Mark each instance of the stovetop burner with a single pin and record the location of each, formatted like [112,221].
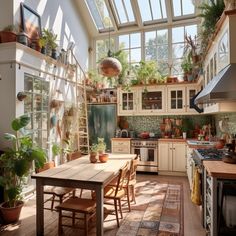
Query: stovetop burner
[207,154]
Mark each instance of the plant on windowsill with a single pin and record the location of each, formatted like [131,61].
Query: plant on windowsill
[187,67]
[16,163]
[210,14]
[8,34]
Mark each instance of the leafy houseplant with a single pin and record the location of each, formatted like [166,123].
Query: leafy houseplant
[48,40]
[16,163]
[210,13]
[93,153]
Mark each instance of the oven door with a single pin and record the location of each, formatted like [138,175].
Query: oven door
[148,158]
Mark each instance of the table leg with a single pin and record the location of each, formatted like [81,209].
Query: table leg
[99,210]
[39,208]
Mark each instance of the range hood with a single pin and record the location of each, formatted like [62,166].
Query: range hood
[222,88]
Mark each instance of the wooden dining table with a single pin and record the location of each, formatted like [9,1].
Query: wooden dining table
[79,173]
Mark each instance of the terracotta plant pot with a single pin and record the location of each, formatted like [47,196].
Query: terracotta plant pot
[7,36]
[93,157]
[103,157]
[11,214]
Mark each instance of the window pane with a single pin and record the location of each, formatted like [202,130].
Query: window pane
[120,11]
[123,41]
[144,8]
[191,30]
[162,52]
[135,55]
[178,34]
[188,7]
[150,38]
[29,84]
[177,7]
[129,10]
[99,13]
[150,53]
[177,50]
[162,36]
[135,40]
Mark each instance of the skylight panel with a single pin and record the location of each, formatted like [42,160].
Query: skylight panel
[152,10]
[183,7]
[100,14]
[123,11]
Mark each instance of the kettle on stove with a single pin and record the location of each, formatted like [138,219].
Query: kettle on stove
[124,133]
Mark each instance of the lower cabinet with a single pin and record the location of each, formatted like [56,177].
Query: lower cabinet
[120,145]
[172,156]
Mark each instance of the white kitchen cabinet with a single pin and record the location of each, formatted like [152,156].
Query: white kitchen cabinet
[120,145]
[127,101]
[172,156]
[157,99]
[175,98]
[151,100]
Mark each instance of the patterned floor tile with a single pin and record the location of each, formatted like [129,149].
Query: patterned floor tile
[169,227]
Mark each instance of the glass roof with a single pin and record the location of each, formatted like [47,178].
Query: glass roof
[152,10]
[114,14]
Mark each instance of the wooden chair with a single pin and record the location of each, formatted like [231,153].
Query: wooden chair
[130,181]
[117,192]
[55,191]
[84,206]
[130,187]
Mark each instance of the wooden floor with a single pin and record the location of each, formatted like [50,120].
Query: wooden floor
[27,226]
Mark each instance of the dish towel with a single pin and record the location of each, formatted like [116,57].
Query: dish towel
[196,191]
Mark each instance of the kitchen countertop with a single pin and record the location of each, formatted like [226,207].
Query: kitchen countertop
[193,143]
[172,139]
[121,139]
[220,169]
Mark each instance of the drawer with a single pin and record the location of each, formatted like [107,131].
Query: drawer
[121,144]
[120,150]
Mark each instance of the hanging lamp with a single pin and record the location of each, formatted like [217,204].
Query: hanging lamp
[110,66]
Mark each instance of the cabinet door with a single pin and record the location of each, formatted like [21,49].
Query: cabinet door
[191,91]
[126,102]
[163,156]
[176,99]
[179,157]
[151,100]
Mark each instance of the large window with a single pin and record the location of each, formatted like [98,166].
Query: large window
[166,46]
[103,46]
[36,105]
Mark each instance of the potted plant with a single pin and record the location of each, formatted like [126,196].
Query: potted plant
[210,13]
[101,147]
[16,163]
[8,34]
[49,39]
[93,153]
[187,67]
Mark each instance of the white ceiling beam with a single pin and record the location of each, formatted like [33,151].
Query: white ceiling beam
[112,14]
[137,13]
[169,11]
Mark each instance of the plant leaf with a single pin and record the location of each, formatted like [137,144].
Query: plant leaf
[8,136]
[21,167]
[20,122]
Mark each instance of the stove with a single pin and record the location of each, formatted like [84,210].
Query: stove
[207,154]
[147,150]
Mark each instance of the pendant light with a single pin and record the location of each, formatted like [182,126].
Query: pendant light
[110,66]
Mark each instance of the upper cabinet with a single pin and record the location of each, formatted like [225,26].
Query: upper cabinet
[151,100]
[157,99]
[127,104]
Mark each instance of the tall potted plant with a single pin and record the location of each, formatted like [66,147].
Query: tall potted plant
[16,163]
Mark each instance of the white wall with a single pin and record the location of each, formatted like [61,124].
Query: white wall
[60,16]
[6,13]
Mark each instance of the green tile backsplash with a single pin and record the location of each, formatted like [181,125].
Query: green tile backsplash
[152,123]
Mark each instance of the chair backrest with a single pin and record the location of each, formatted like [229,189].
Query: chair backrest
[121,178]
[46,166]
[133,168]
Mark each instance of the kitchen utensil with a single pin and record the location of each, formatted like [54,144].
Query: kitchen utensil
[124,133]
[230,158]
